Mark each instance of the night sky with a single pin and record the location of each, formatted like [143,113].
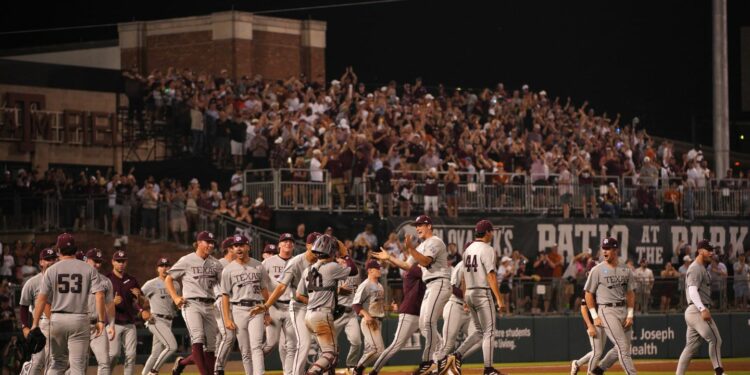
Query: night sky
[650,59]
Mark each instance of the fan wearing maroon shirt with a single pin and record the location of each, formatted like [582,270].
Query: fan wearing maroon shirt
[128,299]
[335,167]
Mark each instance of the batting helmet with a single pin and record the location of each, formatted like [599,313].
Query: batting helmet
[326,246]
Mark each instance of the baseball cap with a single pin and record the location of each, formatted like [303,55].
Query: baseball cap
[226,243]
[483,226]
[610,244]
[120,255]
[65,240]
[163,262]
[372,263]
[270,249]
[286,237]
[47,254]
[239,239]
[687,258]
[704,244]
[421,220]
[96,255]
[206,236]
[312,237]
[80,255]
[505,259]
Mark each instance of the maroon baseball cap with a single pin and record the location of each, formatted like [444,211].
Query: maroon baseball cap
[96,255]
[80,255]
[163,262]
[47,254]
[226,243]
[483,226]
[610,244]
[65,240]
[270,249]
[372,263]
[421,220]
[312,237]
[705,245]
[286,237]
[120,255]
[206,236]
[239,239]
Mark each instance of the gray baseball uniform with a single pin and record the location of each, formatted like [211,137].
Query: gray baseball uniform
[371,297]
[100,345]
[437,279]
[456,318]
[609,359]
[321,284]
[611,285]
[291,277]
[68,283]
[224,338]
[163,310]
[30,291]
[348,321]
[281,329]
[479,261]
[198,277]
[698,278]
[243,284]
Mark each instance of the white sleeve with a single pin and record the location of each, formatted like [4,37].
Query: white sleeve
[695,297]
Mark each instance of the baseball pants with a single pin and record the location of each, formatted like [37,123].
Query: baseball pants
[250,337]
[69,338]
[482,311]
[201,324]
[613,318]
[374,346]
[435,297]
[163,344]
[609,359]
[281,332]
[320,322]
[100,347]
[302,333]
[698,328]
[125,334]
[407,325]
[456,320]
[224,337]
[348,322]
[41,360]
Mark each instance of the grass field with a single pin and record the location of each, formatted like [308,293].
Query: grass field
[732,366]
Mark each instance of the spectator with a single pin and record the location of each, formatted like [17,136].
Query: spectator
[451,181]
[673,201]
[242,212]
[299,188]
[431,193]
[237,136]
[197,129]
[300,234]
[686,261]
[394,247]
[405,185]
[261,213]
[214,196]
[259,147]
[221,141]
[505,273]
[367,238]
[316,177]
[124,191]
[28,270]
[335,167]
[224,210]
[544,269]
[565,188]
[611,205]
[149,202]
[384,186]
[177,215]
[9,264]
[741,282]
[235,183]
[586,182]
[644,278]
[669,284]
[717,272]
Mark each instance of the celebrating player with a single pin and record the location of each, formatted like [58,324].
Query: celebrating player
[162,310]
[225,338]
[369,303]
[281,330]
[348,321]
[128,301]
[39,361]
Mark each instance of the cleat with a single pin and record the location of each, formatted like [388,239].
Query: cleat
[425,368]
[458,361]
[492,371]
[573,368]
[178,368]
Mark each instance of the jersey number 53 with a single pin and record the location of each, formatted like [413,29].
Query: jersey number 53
[69,283]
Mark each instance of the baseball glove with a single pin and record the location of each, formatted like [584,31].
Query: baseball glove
[35,341]
[338,311]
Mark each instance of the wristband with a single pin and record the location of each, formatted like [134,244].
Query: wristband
[593,313]
[630,312]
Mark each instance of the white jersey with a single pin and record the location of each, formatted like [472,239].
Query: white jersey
[198,275]
[350,283]
[217,288]
[30,291]
[244,282]
[434,248]
[479,261]
[457,276]
[292,275]
[158,297]
[275,266]
[371,297]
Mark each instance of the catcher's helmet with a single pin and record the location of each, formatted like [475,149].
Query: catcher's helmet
[326,246]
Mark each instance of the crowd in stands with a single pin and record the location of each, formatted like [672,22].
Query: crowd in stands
[352,131]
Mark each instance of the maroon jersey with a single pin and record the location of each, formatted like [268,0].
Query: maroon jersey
[414,289]
[127,311]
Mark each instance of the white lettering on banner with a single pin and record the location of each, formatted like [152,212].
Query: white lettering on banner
[657,334]
[565,240]
[717,236]
[645,235]
[562,235]
[650,234]
[506,338]
[696,232]
[653,254]
[501,241]
[585,231]
[645,349]
[737,236]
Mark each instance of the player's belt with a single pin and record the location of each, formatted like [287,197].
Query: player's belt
[323,308]
[247,303]
[479,287]
[167,317]
[706,305]
[283,302]
[208,301]
[614,304]
[426,282]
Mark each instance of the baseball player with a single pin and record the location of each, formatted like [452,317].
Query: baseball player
[408,317]
[244,284]
[609,359]
[480,279]
[369,303]
[162,312]
[697,314]
[320,286]
[281,330]
[100,345]
[69,283]
[29,292]
[348,320]
[610,287]
[290,279]
[432,257]
[199,272]
[128,301]
[456,316]
[225,338]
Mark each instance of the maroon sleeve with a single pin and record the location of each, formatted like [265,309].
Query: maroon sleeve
[357,307]
[458,292]
[352,266]
[25,316]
